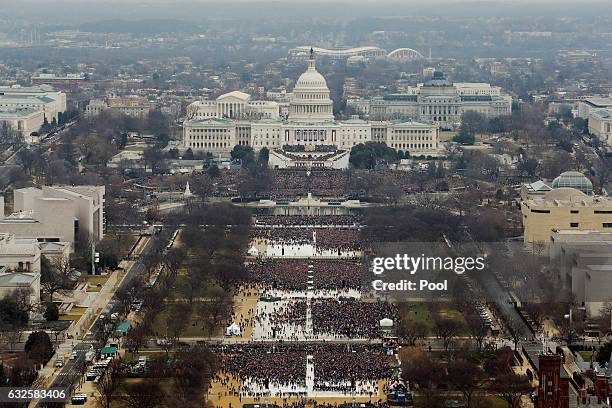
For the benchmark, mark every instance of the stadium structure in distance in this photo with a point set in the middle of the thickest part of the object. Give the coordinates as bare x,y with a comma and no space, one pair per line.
400,54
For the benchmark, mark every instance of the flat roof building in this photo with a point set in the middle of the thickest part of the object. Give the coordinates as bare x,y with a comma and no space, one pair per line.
11,282
600,126
56,213
564,209
588,105
43,97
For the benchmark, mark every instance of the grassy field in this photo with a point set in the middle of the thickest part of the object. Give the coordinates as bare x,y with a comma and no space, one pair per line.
94,279
194,329
74,314
419,312
446,135
178,290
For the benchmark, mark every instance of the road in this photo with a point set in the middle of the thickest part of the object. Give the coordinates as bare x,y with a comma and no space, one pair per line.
47,141
74,369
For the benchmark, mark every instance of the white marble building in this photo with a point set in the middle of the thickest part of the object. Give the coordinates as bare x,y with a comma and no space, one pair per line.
23,120
217,126
442,102
43,98
56,213
600,125
233,105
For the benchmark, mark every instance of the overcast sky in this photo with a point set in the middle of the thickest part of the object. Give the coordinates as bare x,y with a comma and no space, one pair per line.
63,12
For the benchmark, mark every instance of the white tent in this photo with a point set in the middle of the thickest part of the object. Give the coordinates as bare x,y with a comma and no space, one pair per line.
386,322
253,251
233,330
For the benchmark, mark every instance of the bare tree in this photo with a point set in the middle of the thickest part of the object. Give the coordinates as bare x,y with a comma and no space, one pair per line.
468,378
477,328
511,387
411,330
146,393
517,331
109,384
56,276
447,329
423,372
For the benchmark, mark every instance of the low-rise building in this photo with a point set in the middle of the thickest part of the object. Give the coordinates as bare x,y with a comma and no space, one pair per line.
442,102
28,282
56,214
44,98
134,106
588,105
310,124
600,126
24,120
19,254
570,205
233,105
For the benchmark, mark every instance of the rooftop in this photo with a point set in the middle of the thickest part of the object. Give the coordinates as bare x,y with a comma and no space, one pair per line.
603,113
573,179
17,89
17,113
15,99
17,279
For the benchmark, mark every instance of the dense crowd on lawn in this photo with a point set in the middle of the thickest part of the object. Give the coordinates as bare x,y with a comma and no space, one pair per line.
292,313
279,274
306,220
338,274
338,366
343,239
353,319
265,363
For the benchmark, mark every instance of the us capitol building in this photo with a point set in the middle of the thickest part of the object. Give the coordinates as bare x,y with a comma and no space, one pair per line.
310,137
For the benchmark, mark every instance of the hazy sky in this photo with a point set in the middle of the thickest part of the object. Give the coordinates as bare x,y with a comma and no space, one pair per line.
66,12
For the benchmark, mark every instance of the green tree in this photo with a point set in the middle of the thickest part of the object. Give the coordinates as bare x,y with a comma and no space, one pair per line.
264,155
11,313
51,312
604,353
213,171
366,155
38,347
465,138
243,153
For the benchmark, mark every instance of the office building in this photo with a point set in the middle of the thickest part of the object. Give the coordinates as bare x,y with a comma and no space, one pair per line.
56,214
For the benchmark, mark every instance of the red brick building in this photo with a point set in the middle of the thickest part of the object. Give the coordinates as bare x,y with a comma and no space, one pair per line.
553,388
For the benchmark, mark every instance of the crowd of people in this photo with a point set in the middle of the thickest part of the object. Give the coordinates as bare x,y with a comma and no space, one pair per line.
307,220
292,275
351,318
307,304
279,274
344,238
289,184
265,364
338,274
340,367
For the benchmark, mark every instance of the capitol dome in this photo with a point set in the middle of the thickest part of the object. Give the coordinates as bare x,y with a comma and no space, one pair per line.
311,102
573,179
311,78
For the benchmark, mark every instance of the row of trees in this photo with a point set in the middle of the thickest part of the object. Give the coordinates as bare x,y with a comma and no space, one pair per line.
188,372
463,373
